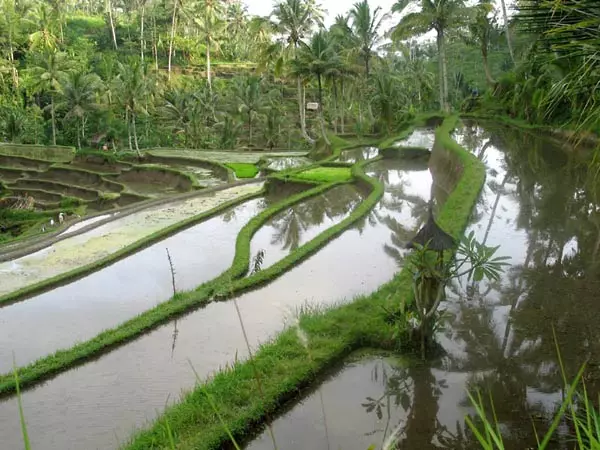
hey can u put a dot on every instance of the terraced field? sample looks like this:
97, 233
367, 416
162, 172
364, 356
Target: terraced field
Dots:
54, 180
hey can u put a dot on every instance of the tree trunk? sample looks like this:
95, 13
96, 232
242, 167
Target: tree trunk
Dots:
249, 128
53, 117
208, 64
486, 65
11, 58
443, 78
335, 106
142, 42
302, 116
173, 24
128, 129
367, 68
321, 118
154, 44
112, 23
135, 139
342, 106
507, 31
78, 137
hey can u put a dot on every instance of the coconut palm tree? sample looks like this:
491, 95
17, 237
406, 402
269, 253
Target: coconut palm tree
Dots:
78, 97
438, 15
480, 33
211, 24
385, 96
317, 59
365, 25
507, 31
47, 78
249, 100
131, 86
294, 20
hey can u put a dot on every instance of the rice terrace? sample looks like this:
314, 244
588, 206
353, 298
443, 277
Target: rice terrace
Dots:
341, 225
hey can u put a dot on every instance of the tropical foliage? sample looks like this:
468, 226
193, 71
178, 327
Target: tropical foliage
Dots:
207, 74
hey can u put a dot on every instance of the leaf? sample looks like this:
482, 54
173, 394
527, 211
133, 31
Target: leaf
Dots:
478, 274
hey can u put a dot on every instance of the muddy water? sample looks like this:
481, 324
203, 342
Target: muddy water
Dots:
100, 242
354, 155
537, 205
80, 310
302, 222
98, 404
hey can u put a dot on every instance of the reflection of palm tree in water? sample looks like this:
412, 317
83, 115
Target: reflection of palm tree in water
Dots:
292, 223
416, 390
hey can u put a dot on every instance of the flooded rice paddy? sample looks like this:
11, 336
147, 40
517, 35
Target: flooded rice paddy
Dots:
93, 245
80, 310
127, 387
498, 337
537, 205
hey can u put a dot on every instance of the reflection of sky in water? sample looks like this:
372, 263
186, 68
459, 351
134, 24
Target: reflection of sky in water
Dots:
421, 137
281, 163
358, 154
497, 213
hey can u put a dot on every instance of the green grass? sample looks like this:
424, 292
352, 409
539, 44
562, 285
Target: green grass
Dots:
326, 174
244, 170
284, 364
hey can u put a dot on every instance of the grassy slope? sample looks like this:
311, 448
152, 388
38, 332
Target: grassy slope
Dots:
285, 365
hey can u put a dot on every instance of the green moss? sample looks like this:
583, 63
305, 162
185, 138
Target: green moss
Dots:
285, 365
243, 170
38, 152
325, 174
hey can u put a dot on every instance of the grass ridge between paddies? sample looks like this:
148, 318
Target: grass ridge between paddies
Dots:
326, 174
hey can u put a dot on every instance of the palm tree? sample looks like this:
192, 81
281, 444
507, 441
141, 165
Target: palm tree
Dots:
108, 8
44, 39
172, 37
317, 59
211, 24
131, 86
249, 100
480, 31
385, 96
295, 19
11, 23
365, 30
78, 97
507, 31
47, 78
438, 15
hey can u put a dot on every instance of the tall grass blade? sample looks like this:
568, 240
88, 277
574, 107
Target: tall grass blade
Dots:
26, 442
213, 405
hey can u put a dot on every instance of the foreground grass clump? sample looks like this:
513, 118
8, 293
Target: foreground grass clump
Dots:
326, 174
243, 170
291, 362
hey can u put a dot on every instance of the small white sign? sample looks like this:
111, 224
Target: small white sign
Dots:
312, 106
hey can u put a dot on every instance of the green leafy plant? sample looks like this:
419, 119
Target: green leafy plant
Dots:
433, 269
